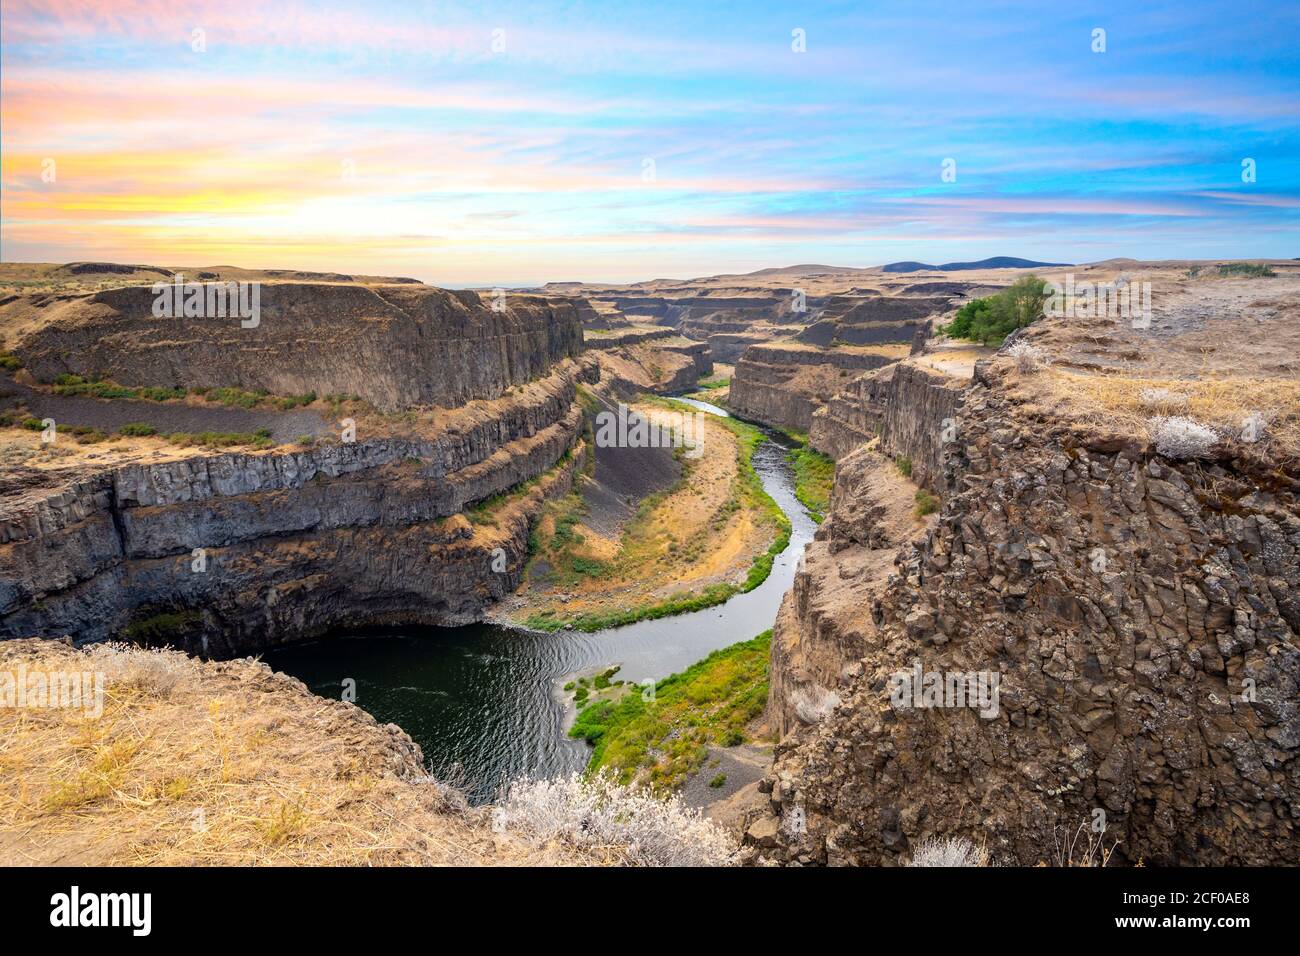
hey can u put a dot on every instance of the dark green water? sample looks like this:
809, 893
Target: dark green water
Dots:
487, 698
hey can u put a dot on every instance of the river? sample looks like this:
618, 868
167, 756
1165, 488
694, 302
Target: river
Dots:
486, 699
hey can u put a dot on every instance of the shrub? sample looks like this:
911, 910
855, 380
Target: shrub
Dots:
1254, 269
1028, 358
904, 465
718, 781
152, 671
1180, 437
992, 319
954, 851
926, 503
596, 813
137, 429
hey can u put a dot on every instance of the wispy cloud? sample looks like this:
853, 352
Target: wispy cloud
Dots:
472, 143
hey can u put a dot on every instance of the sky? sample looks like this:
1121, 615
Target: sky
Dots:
509, 144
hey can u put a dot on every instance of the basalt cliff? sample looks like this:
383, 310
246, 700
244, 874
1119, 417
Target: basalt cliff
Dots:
1033, 519
410, 502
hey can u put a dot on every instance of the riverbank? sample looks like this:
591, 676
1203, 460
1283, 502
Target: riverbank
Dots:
711, 534
660, 736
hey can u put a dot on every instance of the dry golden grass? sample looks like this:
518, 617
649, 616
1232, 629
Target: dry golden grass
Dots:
688, 540
1116, 402
194, 763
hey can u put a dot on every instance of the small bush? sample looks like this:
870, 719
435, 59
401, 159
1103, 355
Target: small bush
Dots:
596, 813
157, 672
718, 781
1180, 437
954, 851
926, 503
904, 465
137, 429
1028, 358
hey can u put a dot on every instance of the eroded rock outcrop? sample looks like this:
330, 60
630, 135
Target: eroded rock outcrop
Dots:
1139, 615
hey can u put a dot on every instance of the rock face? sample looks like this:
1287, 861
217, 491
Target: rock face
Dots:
394, 345
654, 363
728, 347
871, 320
784, 383
288, 543
1139, 615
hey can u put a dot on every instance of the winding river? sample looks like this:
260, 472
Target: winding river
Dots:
486, 699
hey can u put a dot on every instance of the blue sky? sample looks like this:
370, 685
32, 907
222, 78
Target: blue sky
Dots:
516, 143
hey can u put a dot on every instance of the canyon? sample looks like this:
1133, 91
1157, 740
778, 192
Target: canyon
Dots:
1009, 510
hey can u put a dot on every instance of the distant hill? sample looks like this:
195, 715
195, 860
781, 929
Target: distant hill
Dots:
996, 262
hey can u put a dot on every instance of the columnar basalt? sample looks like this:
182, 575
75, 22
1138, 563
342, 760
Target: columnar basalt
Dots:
1139, 615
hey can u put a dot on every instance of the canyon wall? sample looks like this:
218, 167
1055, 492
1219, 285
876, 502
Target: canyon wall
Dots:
423, 518
783, 383
295, 542
393, 345
1139, 615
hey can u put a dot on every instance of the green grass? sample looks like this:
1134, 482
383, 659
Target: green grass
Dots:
137, 429
68, 384
76, 385
719, 382
258, 439
814, 477
661, 742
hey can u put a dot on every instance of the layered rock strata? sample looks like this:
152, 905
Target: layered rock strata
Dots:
392, 345
231, 552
